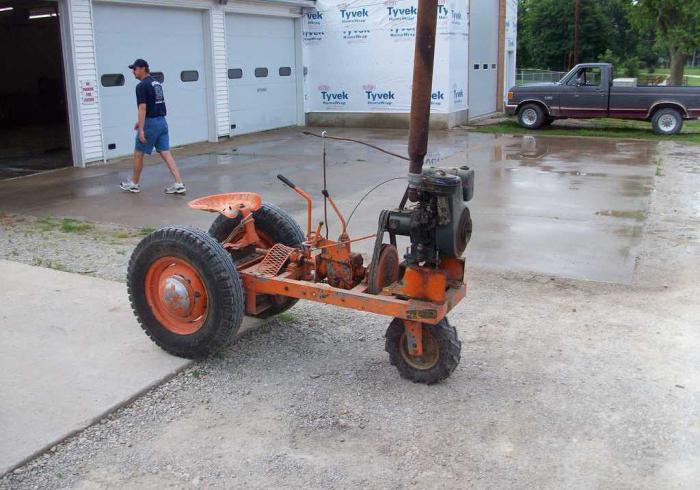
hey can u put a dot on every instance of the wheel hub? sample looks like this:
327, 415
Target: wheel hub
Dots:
529, 117
177, 296
668, 122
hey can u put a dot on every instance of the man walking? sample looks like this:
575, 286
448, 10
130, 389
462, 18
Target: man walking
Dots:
151, 128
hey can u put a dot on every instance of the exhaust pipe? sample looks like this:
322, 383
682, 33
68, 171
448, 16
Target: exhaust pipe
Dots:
423, 58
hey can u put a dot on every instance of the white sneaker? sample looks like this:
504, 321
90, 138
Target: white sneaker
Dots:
129, 186
176, 188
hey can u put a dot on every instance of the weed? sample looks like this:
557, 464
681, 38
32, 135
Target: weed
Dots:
50, 264
69, 225
197, 373
146, 231
286, 318
659, 168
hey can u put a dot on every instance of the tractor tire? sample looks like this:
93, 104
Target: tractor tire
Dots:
185, 291
274, 225
531, 116
667, 121
441, 352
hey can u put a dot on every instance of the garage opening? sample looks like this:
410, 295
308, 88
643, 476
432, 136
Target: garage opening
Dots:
34, 133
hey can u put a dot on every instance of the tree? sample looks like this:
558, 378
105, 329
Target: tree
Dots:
548, 32
677, 26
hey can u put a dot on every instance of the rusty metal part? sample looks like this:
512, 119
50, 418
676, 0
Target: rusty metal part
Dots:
275, 259
383, 271
230, 205
337, 244
337, 265
428, 283
356, 298
412, 339
305, 195
422, 86
344, 226
419, 348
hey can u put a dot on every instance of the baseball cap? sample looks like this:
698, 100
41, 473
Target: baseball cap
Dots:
140, 63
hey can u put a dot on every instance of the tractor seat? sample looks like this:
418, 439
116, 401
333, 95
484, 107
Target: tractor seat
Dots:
230, 205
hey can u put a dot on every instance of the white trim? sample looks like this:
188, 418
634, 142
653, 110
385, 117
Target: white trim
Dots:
269, 9
219, 53
69, 75
210, 90
299, 69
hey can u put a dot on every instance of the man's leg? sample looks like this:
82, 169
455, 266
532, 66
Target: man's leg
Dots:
138, 166
172, 166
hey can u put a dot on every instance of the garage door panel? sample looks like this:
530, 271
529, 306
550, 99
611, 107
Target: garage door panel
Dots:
483, 50
173, 42
261, 103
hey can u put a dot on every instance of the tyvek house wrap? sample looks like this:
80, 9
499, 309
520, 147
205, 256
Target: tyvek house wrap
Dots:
358, 56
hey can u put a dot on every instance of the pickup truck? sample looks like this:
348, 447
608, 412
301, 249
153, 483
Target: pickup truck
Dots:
589, 91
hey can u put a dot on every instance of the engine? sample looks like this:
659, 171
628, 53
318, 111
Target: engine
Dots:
439, 223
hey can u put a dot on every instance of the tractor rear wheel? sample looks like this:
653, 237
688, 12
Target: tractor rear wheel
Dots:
185, 291
273, 225
441, 352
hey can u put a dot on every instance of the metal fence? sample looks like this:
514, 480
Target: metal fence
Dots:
526, 76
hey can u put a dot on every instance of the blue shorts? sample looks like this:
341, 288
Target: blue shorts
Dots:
155, 129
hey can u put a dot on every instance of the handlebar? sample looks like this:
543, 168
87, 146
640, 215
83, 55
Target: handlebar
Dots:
286, 181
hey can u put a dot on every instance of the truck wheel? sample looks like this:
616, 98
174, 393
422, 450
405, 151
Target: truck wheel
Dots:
185, 291
667, 121
273, 225
441, 352
531, 116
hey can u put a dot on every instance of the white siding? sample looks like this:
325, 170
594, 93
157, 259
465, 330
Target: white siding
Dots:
83, 42
218, 41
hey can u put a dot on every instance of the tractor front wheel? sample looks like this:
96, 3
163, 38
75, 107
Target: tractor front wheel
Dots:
441, 351
185, 291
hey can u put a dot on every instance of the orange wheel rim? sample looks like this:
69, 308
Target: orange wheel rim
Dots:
176, 295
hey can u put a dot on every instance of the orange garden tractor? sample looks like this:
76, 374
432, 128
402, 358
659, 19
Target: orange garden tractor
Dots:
190, 289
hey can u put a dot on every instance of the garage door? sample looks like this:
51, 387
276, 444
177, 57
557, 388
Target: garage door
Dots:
262, 72
172, 41
483, 57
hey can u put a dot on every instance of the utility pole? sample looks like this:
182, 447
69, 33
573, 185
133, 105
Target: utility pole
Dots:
577, 17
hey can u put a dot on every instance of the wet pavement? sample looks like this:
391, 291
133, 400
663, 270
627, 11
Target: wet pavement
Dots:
568, 207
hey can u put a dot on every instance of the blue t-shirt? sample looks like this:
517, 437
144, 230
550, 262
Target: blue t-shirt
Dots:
149, 91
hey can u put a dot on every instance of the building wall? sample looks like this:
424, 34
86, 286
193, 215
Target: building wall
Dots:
358, 57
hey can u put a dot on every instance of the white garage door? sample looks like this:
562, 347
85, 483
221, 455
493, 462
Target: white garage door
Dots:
262, 72
172, 41
483, 57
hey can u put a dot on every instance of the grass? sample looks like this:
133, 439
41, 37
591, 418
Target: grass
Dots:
606, 128
50, 264
286, 318
66, 225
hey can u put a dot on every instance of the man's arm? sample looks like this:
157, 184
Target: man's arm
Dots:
140, 123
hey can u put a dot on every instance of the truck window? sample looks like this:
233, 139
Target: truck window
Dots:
591, 76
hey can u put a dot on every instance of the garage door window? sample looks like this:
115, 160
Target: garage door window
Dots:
158, 75
112, 80
235, 73
285, 71
189, 75
261, 72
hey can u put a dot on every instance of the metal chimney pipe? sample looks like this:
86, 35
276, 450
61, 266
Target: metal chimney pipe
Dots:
423, 58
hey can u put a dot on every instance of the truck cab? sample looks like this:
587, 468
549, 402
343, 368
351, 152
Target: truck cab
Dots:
585, 91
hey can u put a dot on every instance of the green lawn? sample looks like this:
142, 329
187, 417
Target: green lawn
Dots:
693, 75
606, 128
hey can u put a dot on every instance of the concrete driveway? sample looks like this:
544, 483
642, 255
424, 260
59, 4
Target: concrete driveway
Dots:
569, 207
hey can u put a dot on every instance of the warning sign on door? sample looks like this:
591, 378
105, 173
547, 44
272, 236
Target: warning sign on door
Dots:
88, 92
